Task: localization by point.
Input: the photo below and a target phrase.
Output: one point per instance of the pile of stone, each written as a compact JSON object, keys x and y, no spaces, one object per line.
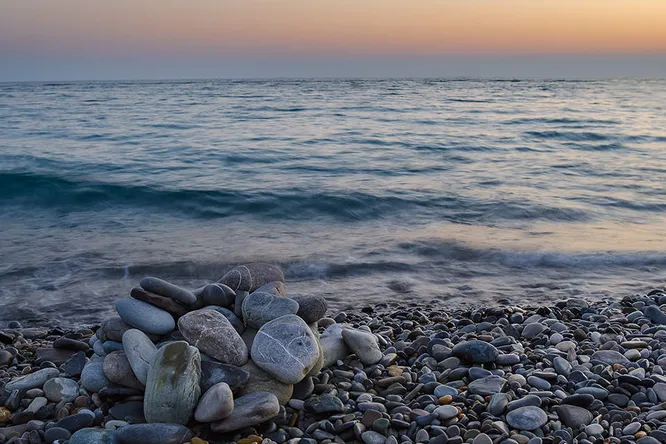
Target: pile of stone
{"x":177,"y":363}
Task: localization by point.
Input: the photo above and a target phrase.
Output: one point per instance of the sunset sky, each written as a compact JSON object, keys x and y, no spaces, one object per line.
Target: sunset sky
{"x":80,"y":39}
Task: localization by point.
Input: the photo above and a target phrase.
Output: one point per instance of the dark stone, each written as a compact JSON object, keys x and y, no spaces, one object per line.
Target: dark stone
{"x":57,"y":356}
{"x":154,"y":434}
{"x":311,"y":308}
{"x":326,"y":403}
{"x":74,"y":365}
{"x":478,"y":352}
{"x":76,"y":422}
{"x":163,"y":288}
{"x":574,"y":416}
{"x":70,"y":344}
{"x":163,"y":302}
{"x":215,"y":372}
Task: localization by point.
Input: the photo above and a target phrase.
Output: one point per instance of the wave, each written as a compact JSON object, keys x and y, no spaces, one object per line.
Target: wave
{"x":455,"y":251}
{"x":80,"y":194}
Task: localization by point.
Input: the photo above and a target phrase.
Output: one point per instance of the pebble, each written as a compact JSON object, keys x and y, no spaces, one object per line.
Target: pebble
{"x":249,"y":410}
{"x":154,"y":434}
{"x":527,"y":418}
{"x":214,"y":335}
{"x":215,"y":404}
{"x":172,"y":388}
{"x":477,"y":352}
{"x":286,"y":348}
{"x":363,"y":344}
{"x":145,"y":317}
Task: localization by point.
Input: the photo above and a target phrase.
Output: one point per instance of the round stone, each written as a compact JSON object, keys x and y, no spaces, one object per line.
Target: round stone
{"x":477,"y":352}
{"x":61,"y":389}
{"x":217,"y":403}
{"x":214,"y":335}
{"x":363,"y":344}
{"x":286,"y":349}
{"x":527,"y":418}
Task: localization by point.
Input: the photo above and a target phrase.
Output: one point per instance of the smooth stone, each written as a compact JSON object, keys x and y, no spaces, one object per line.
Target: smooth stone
{"x":75,"y":422}
{"x":140,"y":352}
{"x":498,"y":403}
{"x":238,"y":303}
{"x":532,"y":330}
{"x":33,"y":380}
{"x":235,"y":321}
{"x":482,"y":438}
{"x":446,"y":412}
{"x":213,"y":373}
{"x":444,"y":390}
{"x":529,"y":400}
{"x":250,"y":277}
{"x":562,"y":366}
{"x":114,"y":328}
{"x":574,"y":416}
{"x":260,"y":381}
{"x":93,"y":378}
{"x":70,"y":344}
{"x":332,"y":345}
{"x":218,"y":294}
{"x":111,"y":346}
{"x":486,"y":386}
{"x":594,"y":429}
{"x":164,"y":288}
{"x":363,"y":344}
{"x":260,"y":308}
{"x":249,"y":410}
{"x":372,"y":437}
{"x":154,"y":434}
{"x":61,"y":389}
{"x":655,"y":315}
{"x":54,"y":355}
{"x":631,"y":428}
{"x":215,"y":404}
{"x":286,"y":349}
{"x":128,"y":411}
{"x":94,"y":436}
{"x":311,"y":308}
{"x":609,"y":357}
{"x":165,"y":303}
{"x":145,"y":317}
{"x":477,"y":352}
{"x":55,"y":433}
{"x":303,"y":389}
{"x":172,"y":388}
{"x":274,"y":287}
{"x":6,"y":357}
{"x":214,"y":335}
{"x":326,"y":403}
{"x":527,"y":418}
{"x":508,"y":359}
{"x":118,"y":370}
{"x":538,"y":383}
{"x":660,"y":390}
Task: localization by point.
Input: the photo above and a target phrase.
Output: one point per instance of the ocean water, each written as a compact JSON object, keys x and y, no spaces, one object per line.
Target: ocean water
{"x":466,"y":192}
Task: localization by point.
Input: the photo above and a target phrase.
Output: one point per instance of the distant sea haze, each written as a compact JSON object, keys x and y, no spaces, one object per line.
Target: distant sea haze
{"x":468,"y":192}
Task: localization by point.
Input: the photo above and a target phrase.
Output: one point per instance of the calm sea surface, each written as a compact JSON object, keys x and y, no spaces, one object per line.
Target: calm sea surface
{"x":470,"y":192}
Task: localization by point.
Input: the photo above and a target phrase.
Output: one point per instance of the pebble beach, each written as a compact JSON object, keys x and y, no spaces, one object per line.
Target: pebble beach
{"x":239,"y":360}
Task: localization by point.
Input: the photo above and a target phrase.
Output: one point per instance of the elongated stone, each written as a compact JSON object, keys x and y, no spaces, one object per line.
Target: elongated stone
{"x":249,"y":410}
{"x":140,"y":352}
{"x":164,"y":288}
{"x":260,"y":308}
{"x":172,"y":388}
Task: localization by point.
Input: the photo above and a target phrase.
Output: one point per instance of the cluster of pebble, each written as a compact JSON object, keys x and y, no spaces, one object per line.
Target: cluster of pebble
{"x":247,"y":364}
{"x":173,"y":364}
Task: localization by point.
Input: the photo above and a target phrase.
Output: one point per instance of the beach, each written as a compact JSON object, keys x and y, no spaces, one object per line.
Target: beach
{"x":177,"y":366}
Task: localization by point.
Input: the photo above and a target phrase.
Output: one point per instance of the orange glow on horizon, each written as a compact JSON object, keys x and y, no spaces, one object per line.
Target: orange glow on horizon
{"x":335,"y":26}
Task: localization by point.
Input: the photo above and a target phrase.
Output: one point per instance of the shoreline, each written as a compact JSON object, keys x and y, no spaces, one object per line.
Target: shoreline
{"x":564,"y":372}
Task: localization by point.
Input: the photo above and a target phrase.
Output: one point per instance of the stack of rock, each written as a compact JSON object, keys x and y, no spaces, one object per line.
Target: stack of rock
{"x":177,"y":363}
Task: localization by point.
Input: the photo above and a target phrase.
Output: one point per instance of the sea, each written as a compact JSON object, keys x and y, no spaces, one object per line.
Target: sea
{"x":456,"y":192}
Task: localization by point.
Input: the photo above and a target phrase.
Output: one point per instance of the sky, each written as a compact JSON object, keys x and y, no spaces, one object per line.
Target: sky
{"x":152,"y":39}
